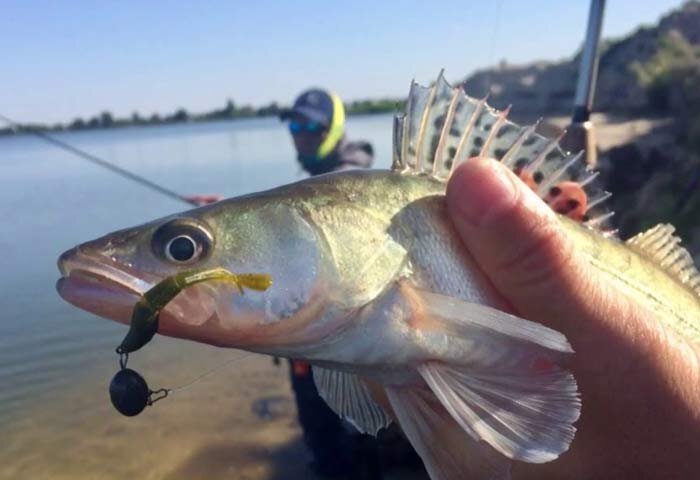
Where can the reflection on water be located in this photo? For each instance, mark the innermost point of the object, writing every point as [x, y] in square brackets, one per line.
[56, 361]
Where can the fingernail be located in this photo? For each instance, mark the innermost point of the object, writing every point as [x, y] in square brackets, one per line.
[480, 190]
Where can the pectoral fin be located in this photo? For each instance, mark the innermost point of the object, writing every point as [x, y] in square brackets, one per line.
[470, 320]
[350, 398]
[508, 389]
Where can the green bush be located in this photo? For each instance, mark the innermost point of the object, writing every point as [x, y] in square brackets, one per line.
[672, 81]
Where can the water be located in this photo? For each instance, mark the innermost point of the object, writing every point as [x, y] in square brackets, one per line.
[55, 361]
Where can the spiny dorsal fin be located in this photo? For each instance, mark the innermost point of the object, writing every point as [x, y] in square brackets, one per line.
[660, 245]
[442, 127]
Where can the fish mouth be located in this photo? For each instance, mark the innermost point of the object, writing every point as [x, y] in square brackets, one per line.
[99, 284]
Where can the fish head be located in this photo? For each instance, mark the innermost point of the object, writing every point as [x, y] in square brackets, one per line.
[107, 276]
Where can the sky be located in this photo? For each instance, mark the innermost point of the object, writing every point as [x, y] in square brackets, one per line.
[68, 59]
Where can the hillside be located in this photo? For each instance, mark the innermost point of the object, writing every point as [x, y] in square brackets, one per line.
[548, 87]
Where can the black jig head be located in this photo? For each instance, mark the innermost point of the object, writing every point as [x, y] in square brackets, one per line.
[129, 391]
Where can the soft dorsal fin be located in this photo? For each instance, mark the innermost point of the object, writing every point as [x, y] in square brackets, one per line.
[660, 245]
[442, 127]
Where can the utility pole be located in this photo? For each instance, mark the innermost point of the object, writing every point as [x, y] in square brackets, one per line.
[580, 134]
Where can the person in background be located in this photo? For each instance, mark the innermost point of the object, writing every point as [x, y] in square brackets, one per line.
[317, 124]
[199, 200]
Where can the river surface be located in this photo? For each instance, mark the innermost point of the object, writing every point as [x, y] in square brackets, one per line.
[56, 361]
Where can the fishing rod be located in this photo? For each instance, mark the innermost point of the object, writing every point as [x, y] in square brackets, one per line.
[18, 127]
[580, 133]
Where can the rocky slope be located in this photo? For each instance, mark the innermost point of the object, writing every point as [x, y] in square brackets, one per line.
[548, 87]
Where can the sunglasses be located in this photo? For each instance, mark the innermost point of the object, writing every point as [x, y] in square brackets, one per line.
[296, 126]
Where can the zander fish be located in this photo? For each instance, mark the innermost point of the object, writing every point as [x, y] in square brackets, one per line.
[373, 287]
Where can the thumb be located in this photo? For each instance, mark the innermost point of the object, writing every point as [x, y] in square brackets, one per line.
[518, 242]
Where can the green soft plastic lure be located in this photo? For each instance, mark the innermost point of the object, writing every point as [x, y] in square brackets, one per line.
[144, 319]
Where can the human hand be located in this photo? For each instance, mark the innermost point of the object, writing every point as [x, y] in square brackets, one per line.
[640, 384]
[201, 200]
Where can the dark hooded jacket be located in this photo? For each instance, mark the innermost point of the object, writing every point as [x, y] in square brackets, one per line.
[345, 156]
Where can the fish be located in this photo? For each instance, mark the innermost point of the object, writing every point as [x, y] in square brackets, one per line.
[372, 286]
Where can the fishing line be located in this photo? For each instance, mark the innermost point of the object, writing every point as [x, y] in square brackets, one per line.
[242, 356]
[18, 127]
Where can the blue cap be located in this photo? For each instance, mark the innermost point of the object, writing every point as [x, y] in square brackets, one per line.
[314, 104]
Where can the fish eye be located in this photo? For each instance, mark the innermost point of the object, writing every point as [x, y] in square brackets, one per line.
[181, 249]
[182, 241]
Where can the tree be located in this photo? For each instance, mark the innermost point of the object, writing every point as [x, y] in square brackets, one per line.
[106, 119]
[180, 115]
[271, 109]
[672, 76]
[230, 109]
[245, 111]
[77, 124]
